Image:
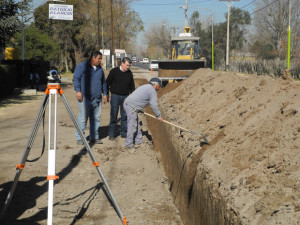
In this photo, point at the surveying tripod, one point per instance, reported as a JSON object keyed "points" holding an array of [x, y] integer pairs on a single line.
{"points": [[53, 89]]}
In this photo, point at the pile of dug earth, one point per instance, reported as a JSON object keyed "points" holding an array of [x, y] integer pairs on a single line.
{"points": [[249, 174]]}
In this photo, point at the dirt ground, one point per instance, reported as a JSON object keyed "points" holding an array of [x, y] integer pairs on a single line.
{"points": [[253, 125], [135, 176]]}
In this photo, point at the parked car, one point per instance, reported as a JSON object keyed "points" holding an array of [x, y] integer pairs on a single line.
{"points": [[153, 65], [133, 59], [145, 60]]}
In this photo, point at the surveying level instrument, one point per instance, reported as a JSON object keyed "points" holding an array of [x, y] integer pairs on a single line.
{"points": [[53, 89]]}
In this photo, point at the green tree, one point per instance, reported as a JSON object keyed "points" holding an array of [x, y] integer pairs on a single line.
{"points": [[79, 37], [69, 34], [239, 19], [37, 44], [11, 14], [204, 34]]}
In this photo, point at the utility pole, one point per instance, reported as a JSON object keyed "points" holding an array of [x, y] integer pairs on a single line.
{"points": [[23, 48], [23, 37], [112, 25], [102, 31], [174, 30], [98, 27], [289, 38], [185, 12], [112, 32], [227, 43], [212, 43]]}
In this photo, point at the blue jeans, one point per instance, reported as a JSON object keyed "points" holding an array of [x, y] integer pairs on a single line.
{"points": [[92, 110], [116, 102]]}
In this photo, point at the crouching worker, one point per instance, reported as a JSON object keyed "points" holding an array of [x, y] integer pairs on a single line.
{"points": [[136, 102]]}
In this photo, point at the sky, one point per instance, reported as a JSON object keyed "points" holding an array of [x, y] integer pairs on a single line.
{"points": [[157, 11]]}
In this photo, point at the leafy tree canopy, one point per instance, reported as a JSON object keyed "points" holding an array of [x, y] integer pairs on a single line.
{"points": [[11, 14], [79, 37], [37, 44], [239, 19]]}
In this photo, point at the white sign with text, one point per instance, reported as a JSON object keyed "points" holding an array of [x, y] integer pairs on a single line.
{"points": [[60, 12], [106, 52]]}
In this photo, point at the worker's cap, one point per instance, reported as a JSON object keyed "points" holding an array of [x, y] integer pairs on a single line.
{"points": [[156, 80]]}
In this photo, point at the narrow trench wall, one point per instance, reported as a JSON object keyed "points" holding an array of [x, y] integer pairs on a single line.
{"points": [[194, 194]]}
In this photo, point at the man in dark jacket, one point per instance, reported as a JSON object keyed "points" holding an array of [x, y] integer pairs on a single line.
{"points": [[120, 83], [89, 84]]}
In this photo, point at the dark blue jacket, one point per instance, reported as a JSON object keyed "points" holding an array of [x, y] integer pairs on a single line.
{"points": [[90, 82]]}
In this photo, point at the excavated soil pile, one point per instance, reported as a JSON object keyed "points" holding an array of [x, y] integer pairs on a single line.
{"points": [[174, 73], [249, 174]]}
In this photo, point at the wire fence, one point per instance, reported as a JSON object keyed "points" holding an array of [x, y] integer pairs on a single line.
{"points": [[273, 68]]}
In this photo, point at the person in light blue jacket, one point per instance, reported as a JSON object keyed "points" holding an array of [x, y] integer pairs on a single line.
{"points": [[90, 84], [136, 102]]}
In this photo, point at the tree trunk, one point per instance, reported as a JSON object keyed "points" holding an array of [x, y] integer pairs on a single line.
{"points": [[66, 63], [73, 59]]}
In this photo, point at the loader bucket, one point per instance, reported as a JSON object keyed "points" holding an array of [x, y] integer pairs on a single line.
{"points": [[173, 68], [181, 64]]}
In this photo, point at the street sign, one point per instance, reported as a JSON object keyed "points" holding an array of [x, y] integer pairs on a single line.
{"points": [[106, 52], [120, 51], [60, 12]]}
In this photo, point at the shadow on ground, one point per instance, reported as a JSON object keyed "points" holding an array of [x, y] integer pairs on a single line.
{"points": [[27, 192]]}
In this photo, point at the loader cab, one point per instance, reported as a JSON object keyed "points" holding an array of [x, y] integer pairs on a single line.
{"points": [[185, 56], [185, 48]]}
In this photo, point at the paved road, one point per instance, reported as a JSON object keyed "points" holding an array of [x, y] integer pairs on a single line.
{"points": [[142, 73], [141, 65]]}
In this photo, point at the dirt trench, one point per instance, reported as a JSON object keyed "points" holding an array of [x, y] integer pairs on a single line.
{"points": [[249, 174], [198, 202]]}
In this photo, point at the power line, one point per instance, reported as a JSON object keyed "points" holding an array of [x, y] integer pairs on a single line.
{"points": [[200, 1], [138, 3], [264, 7], [248, 4], [178, 3]]}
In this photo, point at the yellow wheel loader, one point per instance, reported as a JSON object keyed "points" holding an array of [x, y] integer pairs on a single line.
{"points": [[185, 57]]}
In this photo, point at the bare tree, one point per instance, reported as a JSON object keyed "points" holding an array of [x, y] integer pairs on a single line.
{"points": [[159, 36], [127, 24], [271, 19]]}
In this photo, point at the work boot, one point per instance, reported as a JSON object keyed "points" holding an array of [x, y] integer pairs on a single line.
{"points": [[111, 138], [129, 147], [137, 146], [97, 141], [79, 142]]}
